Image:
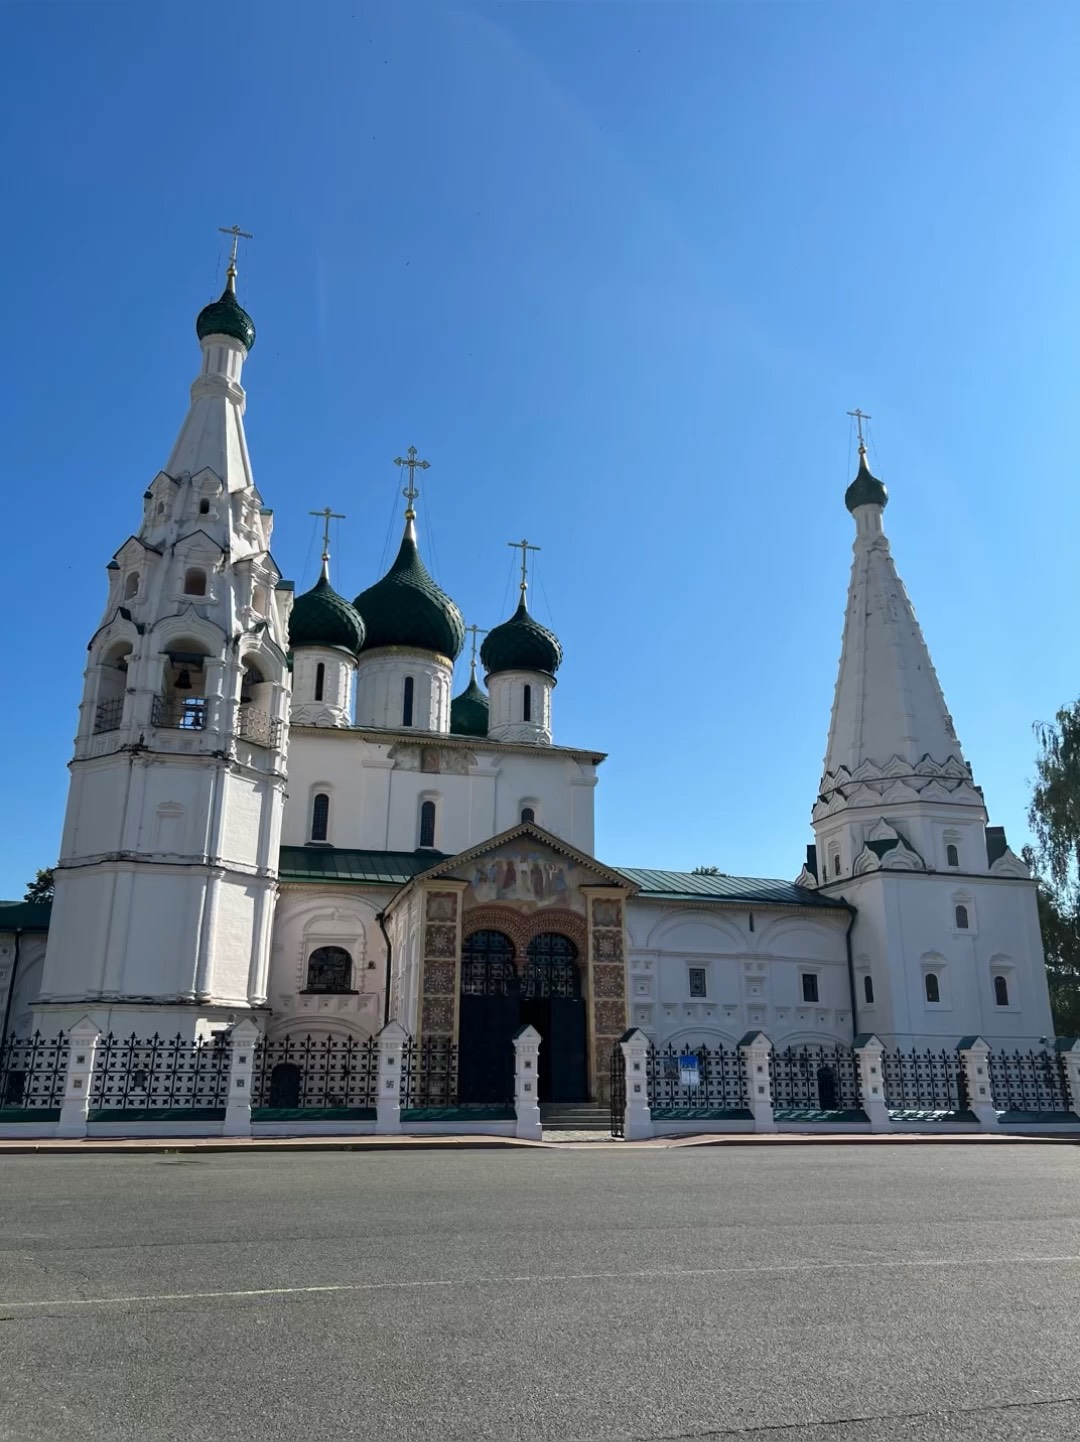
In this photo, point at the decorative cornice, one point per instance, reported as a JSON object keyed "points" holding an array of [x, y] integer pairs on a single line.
{"points": [[392, 736]]}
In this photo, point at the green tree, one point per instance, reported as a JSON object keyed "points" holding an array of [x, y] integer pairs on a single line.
{"points": [[1055, 860], [706, 871], [41, 888]]}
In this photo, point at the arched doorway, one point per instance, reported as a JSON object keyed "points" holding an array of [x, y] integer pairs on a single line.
{"points": [[551, 1001], [490, 1009]]}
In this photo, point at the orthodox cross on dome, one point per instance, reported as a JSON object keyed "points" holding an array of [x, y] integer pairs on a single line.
{"points": [[475, 631], [327, 516], [524, 547], [860, 416], [410, 492], [236, 233]]}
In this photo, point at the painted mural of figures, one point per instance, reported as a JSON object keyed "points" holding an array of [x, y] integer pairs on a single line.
{"points": [[506, 879], [484, 883], [555, 888], [536, 879], [529, 876]]}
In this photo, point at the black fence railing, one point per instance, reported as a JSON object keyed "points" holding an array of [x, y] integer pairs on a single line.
{"points": [[712, 1078], [33, 1072], [108, 715], [297, 1073], [429, 1073], [924, 1080], [159, 1075], [618, 1091], [814, 1078], [186, 715], [257, 727], [1029, 1081]]}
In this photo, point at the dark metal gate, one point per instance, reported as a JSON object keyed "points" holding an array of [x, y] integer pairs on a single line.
{"points": [[490, 1012], [551, 1001], [618, 1091]]}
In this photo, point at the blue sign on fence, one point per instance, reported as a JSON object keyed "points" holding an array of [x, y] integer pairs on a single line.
{"points": [[689, 1071]]}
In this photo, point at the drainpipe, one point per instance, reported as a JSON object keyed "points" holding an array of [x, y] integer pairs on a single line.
{"points": [[851, 971], [11, 987], [380, 917]]}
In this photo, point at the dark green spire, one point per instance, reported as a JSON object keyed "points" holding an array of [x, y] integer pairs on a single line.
{"points": [[521, 644], [469, 711], [320, 617], [407, 608], [865, 489], [227, 316]]}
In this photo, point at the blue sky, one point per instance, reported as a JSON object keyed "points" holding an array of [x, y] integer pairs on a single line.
{"points": [[618, 271]]}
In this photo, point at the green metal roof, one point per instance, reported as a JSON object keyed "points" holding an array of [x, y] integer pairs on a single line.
{"points": [[685, 886], [320, 617], [25, 915], [407, 608], [469, 711], [226, 316], [337, 863], [865, 489], [521, 644]]}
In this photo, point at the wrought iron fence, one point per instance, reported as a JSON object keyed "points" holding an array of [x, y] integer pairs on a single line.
{"points": [[108, 715], [332, 1072], [696, 1077], [257, 727], [429, 1073], [160, 1075], [33, 1071], [617, 1102], [186, 715], [815, 1078], [924, 1080], [1029, 1081]]}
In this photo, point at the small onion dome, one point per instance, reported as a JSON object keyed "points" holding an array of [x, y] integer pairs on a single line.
{"points": [[865, 489], [226, 317], [521, 644], [469, 711], [406, 608], [320, 617]]}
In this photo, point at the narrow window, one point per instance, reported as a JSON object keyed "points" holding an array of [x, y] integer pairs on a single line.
{"points": [[697, 980], [204, 508], [836, 863], [526, 703], [407, 703], [868, 989], [320, 677], [1001, 991], [427, 824], [528, 814], [931, 987], [194, 581], [952, 856], [961, 918], [809, 986], [131, 586], [320, 817]]}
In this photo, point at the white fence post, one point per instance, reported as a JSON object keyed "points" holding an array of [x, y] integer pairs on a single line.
{"points": [[755, 1048], [391, 1043], [637, 1123], [82, 1048], [868, 1052], [975, 1058], [526, 1096], [243, 1040], [1069, 1049]]}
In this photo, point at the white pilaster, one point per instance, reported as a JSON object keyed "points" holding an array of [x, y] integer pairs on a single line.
{"points": [[637, 1120], [868, 1053], [526, 1083], [243, 1039], [83, 1043], [755, 1049], [391, 1043], [975, 1059]]}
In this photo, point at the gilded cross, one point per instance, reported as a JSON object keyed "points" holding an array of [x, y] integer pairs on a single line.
{"points": [[524, 547], [327, 516], [237, 234], [475, 631], [860, 416], [410, 492]]}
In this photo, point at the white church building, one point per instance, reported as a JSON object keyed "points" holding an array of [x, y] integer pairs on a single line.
{"points": [[279, 808]]}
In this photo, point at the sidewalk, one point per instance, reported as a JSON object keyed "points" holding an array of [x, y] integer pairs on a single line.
{"points": [[562, 1141]]}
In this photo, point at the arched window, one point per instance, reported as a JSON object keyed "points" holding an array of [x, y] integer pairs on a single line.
{"points": [[320, 817], [1001, 991], [329, 968], [250, 677], [551, 967], [194, 581], [528, 814], [320, 678], [962, 922], [952, 855], [526, 703], [407, 702], [932, 987], [204, 507], [427, 824], [868, 989], [131, 586], [487, 965]]}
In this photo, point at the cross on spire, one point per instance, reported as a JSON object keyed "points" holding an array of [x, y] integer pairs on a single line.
{"points": [[474, 631], [236, 233], [524, 547], [410, 492], [860, 416], [327, 516]]}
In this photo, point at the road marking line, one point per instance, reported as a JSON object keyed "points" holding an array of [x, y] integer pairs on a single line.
{"points": [[648, 1273]]}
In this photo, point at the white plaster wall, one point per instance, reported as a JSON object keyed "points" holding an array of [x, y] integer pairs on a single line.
{"points": [[27, 979], [310, 917], [380, 688], [506, 706], [339, 672]]}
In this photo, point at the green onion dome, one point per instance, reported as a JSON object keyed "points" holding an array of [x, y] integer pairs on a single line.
{"points": [[226, 317], [320, 617], [469, 711], [406, 608], [521, 644], [865, 489]]}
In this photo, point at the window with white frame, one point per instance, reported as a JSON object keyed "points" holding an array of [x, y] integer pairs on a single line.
{"points": [[697, 981]]}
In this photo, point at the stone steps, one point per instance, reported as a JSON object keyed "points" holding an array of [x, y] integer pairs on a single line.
{"points": [[572, 1117]]}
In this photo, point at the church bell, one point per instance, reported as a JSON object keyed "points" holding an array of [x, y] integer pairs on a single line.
{"points": [[183, 681]]}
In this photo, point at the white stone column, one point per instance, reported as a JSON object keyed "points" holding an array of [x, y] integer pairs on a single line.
{"points": [[1069, 1048], [242, 1042], [82, 1043], [756, 1048], [637, 1123], [526, 1082], [975, 1058], [391, 1043], [868, 1052]]}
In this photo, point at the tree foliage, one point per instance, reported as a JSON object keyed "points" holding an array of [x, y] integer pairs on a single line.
{"points": [[1054, 815], [706, 871], [41, 888]]}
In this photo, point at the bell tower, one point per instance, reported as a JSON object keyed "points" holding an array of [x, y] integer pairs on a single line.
{"points": [[167, 875]]}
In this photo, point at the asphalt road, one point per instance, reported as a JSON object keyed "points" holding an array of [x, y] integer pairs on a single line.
{"points": [[793, 1295]]}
